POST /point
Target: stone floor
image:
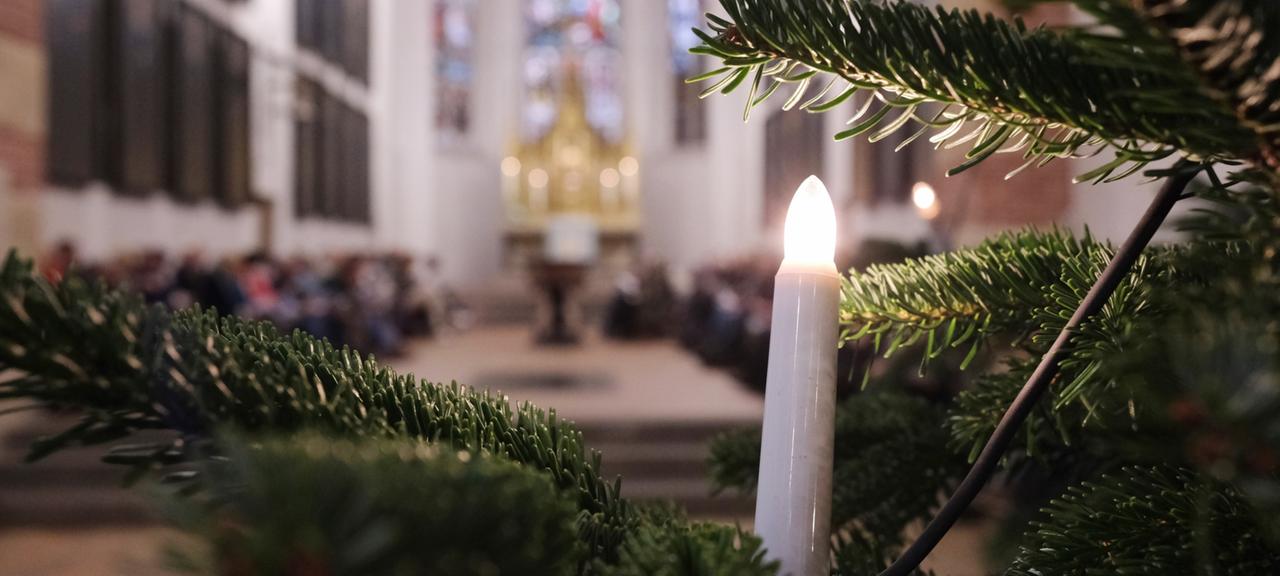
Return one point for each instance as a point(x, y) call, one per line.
point(598, 382)
point(648, 406)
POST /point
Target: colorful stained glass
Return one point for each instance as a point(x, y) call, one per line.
point(454, 23)
point(582, 36)
point(690, 113)
point(682, 17)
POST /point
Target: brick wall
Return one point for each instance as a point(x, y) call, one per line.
point(23, 20)
point(983, 198)
point(23, 158)
point(22, 123)
point(22, 92)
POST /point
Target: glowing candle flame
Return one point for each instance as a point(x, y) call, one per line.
point(809, 234)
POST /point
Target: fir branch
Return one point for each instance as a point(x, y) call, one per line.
point(1224, 401)
point(667, 544)
point(1221, 398)
point(980, 406)
point(131, 367)
point(1146, 521)
point(315, 504)
point(1024, 285)
point(1234, 48)
point(1020, 283)
point(1001, 86)
point(957, 298)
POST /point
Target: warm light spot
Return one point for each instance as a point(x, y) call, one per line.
point(571, 155)
point(572, 181)
point(511, 166)
point(925, 199)
point(628, 166)
point(809, 233)
point(538, 178)
point(609, 178)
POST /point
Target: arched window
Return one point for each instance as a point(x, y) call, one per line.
point(579, 35)
point(690, 113)
point(454, 22)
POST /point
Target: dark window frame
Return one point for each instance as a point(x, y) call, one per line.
point(793, 151)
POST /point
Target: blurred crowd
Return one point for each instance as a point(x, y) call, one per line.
point(726, 315)
point(370, 302)
point(644, 304)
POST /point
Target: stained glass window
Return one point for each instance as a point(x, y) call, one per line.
point(690, 113)
point(454, 34)
point(578, 35)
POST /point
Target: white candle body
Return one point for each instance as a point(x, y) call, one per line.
point(793, 502)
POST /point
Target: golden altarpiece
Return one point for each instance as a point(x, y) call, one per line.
point(571, 169)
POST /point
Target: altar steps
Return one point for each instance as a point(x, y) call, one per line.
point(73, 489)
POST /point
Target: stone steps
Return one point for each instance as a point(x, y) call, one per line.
point(70, 489)
point(74, 489)
point(666, 461)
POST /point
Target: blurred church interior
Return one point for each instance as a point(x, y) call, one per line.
point(521, 195)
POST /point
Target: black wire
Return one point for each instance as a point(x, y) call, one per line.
point(985, 466)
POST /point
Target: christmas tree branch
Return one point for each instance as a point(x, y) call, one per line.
point(1146, 521)
point(1000, 86)
point(129, 367)
point(666, 544)
point(958, 298)
point(316, 504)
point(1046, 371)
point(1026, 285)
point(1232, 47)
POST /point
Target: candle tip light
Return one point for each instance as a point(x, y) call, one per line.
point(809, 234)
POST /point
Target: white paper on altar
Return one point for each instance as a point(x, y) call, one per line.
point(571, 239)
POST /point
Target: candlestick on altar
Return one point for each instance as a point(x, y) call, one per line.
point(793, 502)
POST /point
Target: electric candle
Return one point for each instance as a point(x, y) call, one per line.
point(793, 502)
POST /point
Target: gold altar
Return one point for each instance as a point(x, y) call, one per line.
point(571, 169)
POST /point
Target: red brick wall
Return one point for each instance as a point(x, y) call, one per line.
point(1034, 196)
point(23, 19)
point(22, 155)
point(21, 151)
point(982, 196)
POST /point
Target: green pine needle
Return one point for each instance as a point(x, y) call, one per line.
point(1041, 93)
point(1142, 521)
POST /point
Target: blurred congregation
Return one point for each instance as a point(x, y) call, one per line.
point(369, 302)
point(725, 318)
point(376, 303)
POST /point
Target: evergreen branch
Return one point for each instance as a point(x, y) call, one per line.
point(1024, 285)
point(321, 505)
point(1002, 87)
point(1233, 47)
point(1146, 521)
point(979, 407)
point(957, 299)
point(1221, 398)
point(346, 500)
point(133, 367)
point(1224, 399)
point(667, 544)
